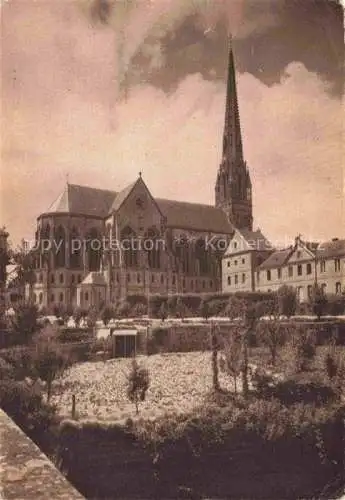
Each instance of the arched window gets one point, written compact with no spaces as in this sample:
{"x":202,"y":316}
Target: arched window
{"x":59,"y":247}
{"x":61,"y":278}
{"x":128,"y":248}
{"x":202,"y":256}
{"x":52,"y":298}
{"x":182,"y":254}
{"x":152,"y":246}
{"x":41,"y":298}
{"x":75,"y":251}
{"x":93,"y":250}
{"x":61,"y":297}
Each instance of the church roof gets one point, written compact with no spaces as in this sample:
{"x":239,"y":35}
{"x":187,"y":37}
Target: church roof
{"x":121,"y":197}
{"x":90,"y":201}
{"x":194,"y":216}
{"x":83,"y":200}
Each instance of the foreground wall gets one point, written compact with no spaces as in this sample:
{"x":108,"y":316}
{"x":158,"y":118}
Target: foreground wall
{"x":25,"y":472}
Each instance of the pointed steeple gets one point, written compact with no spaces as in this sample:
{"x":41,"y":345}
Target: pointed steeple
{"x":232,"y":139}
{"x":233,"y":185}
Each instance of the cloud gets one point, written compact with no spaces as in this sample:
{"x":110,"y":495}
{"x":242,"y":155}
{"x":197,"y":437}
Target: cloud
{"x":60,"y":114}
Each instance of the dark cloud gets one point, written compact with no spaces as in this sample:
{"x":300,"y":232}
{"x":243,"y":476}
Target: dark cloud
{"x":307,"y":31}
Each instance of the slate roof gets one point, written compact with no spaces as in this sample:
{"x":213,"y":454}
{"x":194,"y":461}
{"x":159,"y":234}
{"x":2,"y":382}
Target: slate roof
{"x":333,"y":248}
{"x":89,"y":201}
{"x":194,"y":216}
{"x":121,"y":196}
{"x":84,"y":200}
{"x":276,"y":259}
{"x":256,"y":239}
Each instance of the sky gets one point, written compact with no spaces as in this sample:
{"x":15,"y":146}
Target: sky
{"x":97,"y":90}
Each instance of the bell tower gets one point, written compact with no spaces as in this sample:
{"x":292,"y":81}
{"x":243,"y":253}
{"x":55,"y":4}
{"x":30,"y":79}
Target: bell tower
{"x":233,"y":190}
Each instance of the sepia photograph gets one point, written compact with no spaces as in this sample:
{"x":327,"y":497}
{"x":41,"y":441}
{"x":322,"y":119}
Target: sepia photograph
{"x":172,"y":250}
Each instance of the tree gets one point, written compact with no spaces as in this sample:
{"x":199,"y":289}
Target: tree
{"x":24,"y":322}
{"x":163,"y":312}
{"x":138,"y":382}
{"x":78,"y":315}
{"x":303,"y":347}
{"x":318,"y":301}
{"x":180,"y":308}
{"x":287,"y":300}
{"x":273,"y":336}
{"x":231,"y":361}
{"x":49,"y":360}
{"x":92,"y":317}
{"x":204,"y":309}
{"x":61,"y":312}
{"x":107,"y":315}
{"x":24,"y":261}
{"x":123,"y":309}
{"x":214,"y":358}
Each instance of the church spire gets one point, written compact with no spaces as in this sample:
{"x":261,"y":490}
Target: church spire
{"x":233,"y":185}
{"x":232,"y":139}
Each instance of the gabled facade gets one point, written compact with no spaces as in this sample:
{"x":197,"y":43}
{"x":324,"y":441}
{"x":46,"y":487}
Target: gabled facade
{"x":246,"y":250}
{"x":300,"y":266}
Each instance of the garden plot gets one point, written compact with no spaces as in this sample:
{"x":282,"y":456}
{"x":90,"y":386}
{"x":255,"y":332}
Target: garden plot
{"x":178,"y":382}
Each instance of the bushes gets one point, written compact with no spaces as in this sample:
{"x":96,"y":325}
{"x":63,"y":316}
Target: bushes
{"x":24,"y":404}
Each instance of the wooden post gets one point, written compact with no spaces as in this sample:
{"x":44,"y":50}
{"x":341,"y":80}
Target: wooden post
{"x":73,"y":406}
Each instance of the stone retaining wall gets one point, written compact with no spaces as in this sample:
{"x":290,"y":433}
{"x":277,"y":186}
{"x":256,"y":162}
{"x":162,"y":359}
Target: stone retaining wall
{"x":25,"y":472}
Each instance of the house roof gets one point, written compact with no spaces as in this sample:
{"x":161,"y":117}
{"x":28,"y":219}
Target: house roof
{"x":194,"y":216}
{"x":255,"y":239}
{"x":276,"y":259}
{"x":333,"y":248}
{"x":83,"y":200}
{"x":94,"y":278}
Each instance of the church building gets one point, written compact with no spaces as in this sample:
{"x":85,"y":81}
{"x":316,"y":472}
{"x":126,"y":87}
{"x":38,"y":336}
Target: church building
{"x":97,"y":246}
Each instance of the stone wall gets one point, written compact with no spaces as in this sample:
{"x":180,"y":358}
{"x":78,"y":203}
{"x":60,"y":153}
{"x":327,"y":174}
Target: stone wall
{"x":25,"y":472}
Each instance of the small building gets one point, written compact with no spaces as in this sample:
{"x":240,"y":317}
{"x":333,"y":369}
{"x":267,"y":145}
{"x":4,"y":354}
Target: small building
{"x":91,"y":292}
{"x":246,"y":250}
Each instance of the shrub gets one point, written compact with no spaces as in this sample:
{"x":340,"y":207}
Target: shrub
{"x":139,"y":309}
{"x":20,"y":359}
{"x":138,"y":382}
{"x":24,"y":404}
{"x":78,"y":315}
{"x":231,"y":360}
{"x":287,"y":300}
{"x":318,"y":301}
{"x":24,"y":322}
{"x":48,"y":359}
{"x":123,"y":309}
{"x":303,"y":348}
{"x":92,"y":317}
{"x":6,"y":370}
{"x":204,"y":309}
{"x":273,"y":335}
